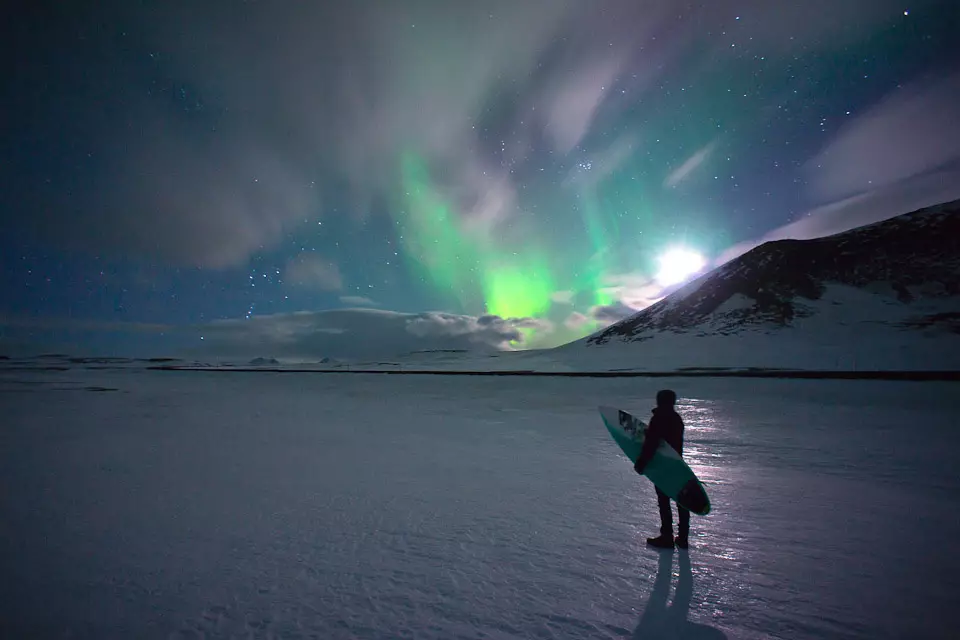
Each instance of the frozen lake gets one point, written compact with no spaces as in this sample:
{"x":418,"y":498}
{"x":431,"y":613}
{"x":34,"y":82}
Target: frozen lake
{"x":139,"y":504}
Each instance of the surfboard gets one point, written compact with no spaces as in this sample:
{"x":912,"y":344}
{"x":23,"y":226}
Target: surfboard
{"x":667,"y":469}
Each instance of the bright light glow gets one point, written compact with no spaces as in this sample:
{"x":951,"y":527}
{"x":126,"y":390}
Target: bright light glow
{"x":677,"y":265}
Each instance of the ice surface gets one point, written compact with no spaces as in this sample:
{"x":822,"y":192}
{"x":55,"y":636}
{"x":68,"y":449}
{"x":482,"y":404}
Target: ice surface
{"x":147,"y":504}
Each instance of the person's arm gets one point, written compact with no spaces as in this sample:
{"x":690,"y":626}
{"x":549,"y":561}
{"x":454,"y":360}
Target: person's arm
{"x":651,"y":441}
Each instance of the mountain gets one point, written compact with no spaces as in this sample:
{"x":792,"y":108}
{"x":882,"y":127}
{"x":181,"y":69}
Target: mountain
{"x":886,"y":295}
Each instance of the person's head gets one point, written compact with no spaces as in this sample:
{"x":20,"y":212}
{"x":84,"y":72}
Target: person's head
{"x":666,"y":398}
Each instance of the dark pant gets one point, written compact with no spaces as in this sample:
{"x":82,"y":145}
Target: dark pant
{"x":666,"y":517}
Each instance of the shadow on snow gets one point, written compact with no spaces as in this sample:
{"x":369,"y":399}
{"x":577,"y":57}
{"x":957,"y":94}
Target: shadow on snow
{"x":662,"y":621}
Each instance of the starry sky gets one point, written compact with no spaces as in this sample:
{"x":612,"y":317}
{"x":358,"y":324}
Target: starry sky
{"x":309,"y":179}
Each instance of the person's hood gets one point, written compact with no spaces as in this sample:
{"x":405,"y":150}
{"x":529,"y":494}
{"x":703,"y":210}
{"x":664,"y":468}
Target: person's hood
{"x":666,"y":398}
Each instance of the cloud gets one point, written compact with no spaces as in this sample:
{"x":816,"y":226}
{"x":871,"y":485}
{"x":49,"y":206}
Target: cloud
{"x":859,"y":210}
{"x":576,"y":321}
{"x":182,"y":137}
{"x":914,"y":130}
{"x":486,"y":329}
{"x":634,"y":289}
{"x":599,"y":165}
{"x":900,"y":155}
{"x":679,"y":174}
{"x":361,"y":333}
{"x":572,"y":108}
{"x":358,"y":301}
{"x":611,"y":313}
{"x":311,"y":271}
{"x":631,"y":292}
{"x":339,"y":333}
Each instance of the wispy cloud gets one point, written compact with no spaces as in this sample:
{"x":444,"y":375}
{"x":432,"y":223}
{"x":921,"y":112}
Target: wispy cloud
{"x":358,"y":301}
{"x":576,"y":321}
{"x":611,"y":313}
{"x":313,"y":271}
{"x":575,"y":102}
{"x":900,"y":155}
{"x":233,"y":136}
{"x":340,"y":333}
{"x":635,"y":289}
{"x":681,"y":173}
{"x":598,"y":165}
{"x":859,"y":210}
{"x":914,"y":130}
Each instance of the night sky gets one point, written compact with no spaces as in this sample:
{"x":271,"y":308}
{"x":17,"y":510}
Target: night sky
{"x":306,"y":179}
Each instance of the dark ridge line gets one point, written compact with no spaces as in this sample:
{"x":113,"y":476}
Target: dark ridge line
{"x":915,"y":376}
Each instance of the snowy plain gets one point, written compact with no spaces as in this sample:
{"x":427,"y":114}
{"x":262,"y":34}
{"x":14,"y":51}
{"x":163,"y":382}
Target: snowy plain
{"x":179,"y":504}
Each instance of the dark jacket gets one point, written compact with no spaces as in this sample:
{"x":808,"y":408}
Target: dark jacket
{"x":665,"y":424}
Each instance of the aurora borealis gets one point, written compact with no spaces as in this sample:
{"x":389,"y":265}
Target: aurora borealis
{"x":298,"y":177}
{"x":471,"y":268}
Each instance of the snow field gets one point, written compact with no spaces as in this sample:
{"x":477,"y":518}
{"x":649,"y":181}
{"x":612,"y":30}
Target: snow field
{"x":190,"y":504}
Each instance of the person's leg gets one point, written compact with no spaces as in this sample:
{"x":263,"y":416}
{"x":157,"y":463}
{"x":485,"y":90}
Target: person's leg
{"x":666,"y":514}
{"x":683,"y":527}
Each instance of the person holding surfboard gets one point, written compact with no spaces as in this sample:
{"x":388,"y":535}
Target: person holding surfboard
{"x":665,"y":424}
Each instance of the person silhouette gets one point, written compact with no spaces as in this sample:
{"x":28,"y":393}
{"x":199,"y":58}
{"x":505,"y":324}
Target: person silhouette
{"x":665,"y":424}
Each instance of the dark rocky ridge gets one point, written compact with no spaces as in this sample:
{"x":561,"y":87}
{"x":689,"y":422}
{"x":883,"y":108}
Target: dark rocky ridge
{"x":915,"y":256}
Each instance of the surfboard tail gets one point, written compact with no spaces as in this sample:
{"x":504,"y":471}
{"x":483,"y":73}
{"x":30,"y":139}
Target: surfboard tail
{"x":694,"y":498}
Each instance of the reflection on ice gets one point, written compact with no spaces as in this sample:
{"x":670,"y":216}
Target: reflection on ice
{"x":707,"y":434}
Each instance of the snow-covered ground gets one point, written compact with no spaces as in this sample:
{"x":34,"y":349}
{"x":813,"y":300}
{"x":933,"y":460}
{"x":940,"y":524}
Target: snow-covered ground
{"x":847,"y":329}
{"x":157,"y":504}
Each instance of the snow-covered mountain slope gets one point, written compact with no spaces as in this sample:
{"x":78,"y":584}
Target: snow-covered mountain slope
{"x":881,"y":296}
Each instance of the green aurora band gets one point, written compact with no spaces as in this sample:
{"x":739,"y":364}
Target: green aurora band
{"x":513,"y":285}
{"x":518,"y":282}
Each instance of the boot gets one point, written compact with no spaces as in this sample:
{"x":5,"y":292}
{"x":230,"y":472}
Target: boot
{"x":663,"y":541}
{"x":682,"y":542}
